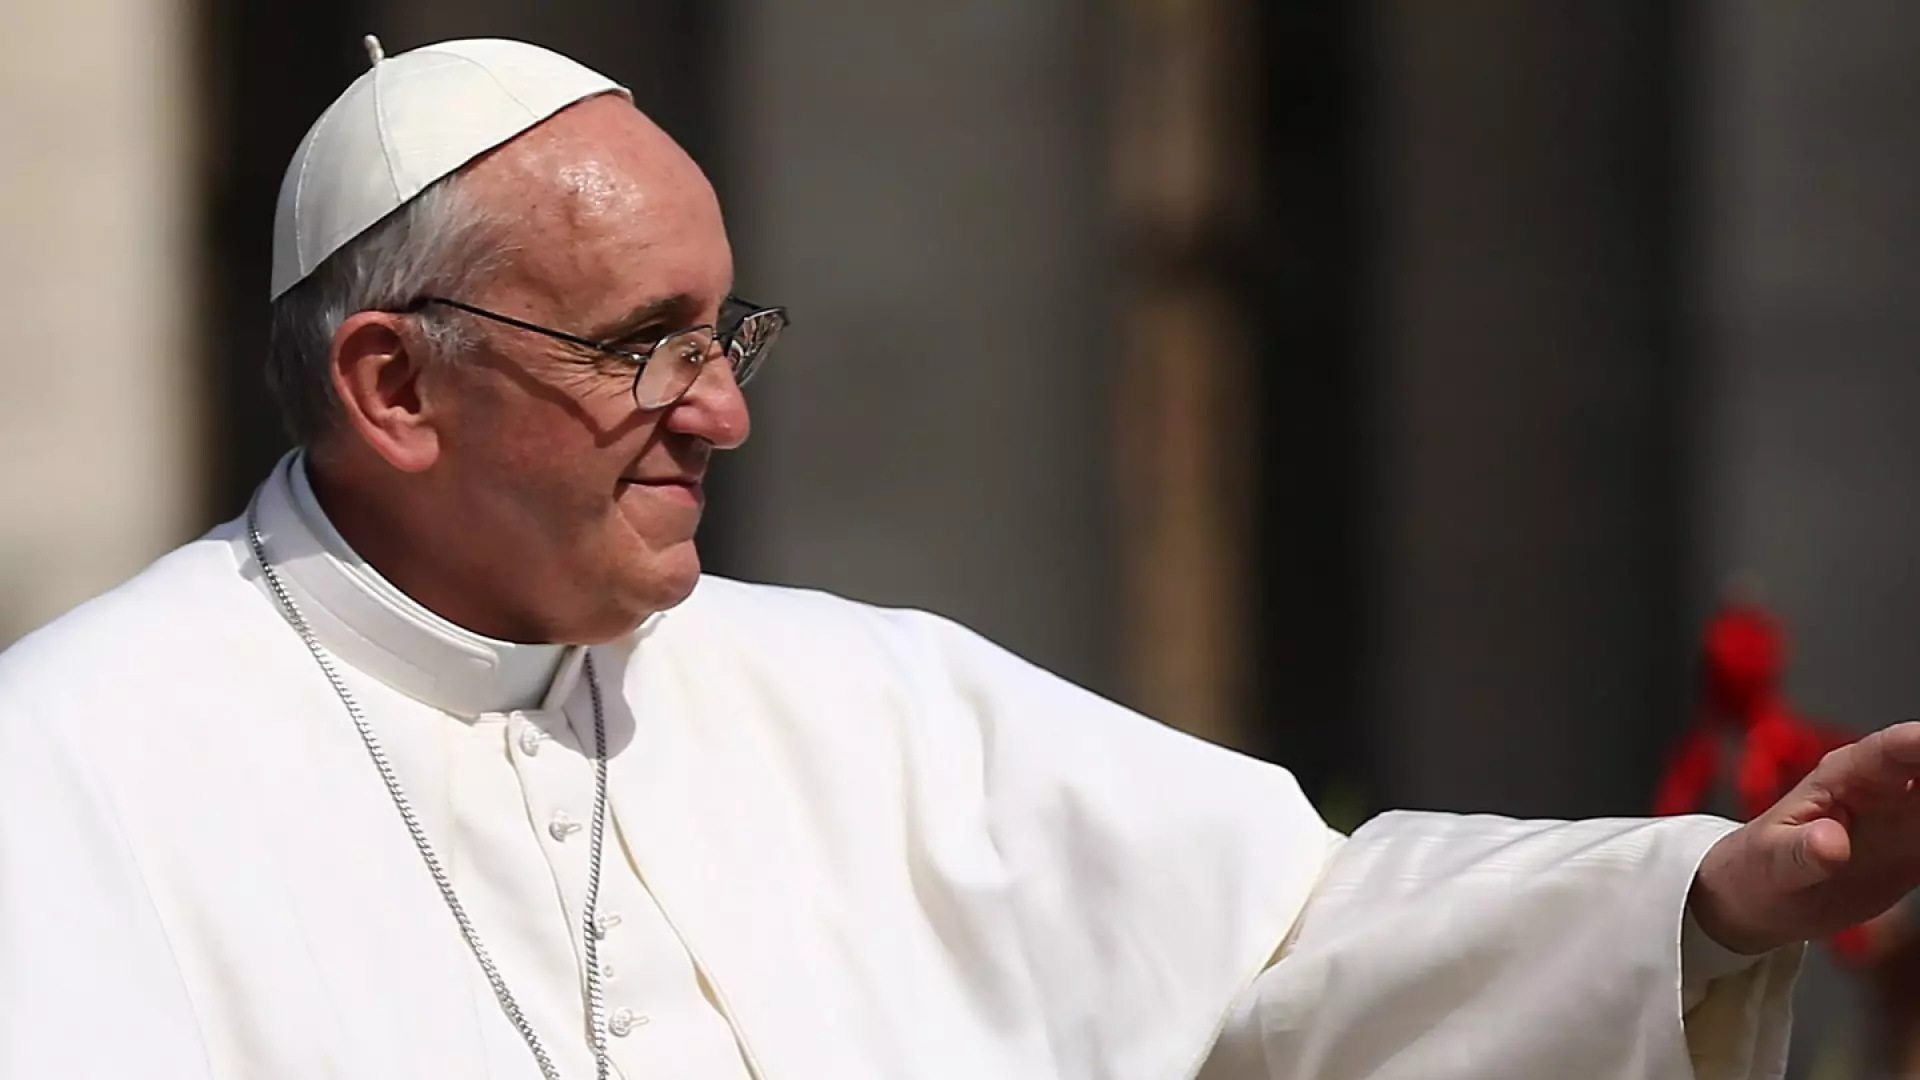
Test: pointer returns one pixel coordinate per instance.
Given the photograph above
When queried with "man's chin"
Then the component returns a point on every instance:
(630, 600)
(668, 577)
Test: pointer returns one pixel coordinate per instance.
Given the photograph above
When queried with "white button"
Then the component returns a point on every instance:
(604, 923)
(622, 1021)
(606, 971)
(562, 826)
(530, 739)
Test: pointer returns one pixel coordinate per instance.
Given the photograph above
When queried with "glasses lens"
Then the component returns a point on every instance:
(751, 341)
(671, 368)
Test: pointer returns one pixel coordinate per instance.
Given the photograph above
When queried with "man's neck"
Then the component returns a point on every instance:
(372, 624)
(390, 541)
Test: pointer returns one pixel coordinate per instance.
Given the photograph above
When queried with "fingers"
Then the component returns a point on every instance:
(1902, 744)
(1881, 765)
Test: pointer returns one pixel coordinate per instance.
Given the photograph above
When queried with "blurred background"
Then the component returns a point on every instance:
(1390, 389)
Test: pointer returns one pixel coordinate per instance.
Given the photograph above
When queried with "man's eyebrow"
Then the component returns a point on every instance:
(637, 319)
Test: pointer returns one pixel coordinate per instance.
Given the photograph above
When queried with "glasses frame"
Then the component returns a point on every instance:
(739, 359)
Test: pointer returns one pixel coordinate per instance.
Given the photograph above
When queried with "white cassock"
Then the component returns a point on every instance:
(846, 843)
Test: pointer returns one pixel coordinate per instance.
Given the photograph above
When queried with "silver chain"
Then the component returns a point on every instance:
(590, 928)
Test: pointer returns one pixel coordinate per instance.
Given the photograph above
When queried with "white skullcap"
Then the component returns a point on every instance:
(408, 121)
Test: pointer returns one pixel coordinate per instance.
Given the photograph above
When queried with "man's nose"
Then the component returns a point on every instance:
(714, 408)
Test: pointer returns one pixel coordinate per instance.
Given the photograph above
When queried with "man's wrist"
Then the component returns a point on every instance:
(1711, 899)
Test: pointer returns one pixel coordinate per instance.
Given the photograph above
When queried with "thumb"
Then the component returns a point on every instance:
(1811, 853)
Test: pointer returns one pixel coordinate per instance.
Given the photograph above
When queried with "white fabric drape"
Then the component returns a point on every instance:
(889, 848)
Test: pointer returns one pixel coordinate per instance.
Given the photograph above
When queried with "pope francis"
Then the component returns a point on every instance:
(444, 759)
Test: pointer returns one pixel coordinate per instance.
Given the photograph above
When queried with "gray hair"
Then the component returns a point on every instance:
(435, 244)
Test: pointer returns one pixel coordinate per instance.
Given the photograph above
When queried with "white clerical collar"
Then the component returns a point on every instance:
(365, 620)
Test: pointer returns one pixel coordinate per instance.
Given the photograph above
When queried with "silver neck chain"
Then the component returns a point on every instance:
(590, 927)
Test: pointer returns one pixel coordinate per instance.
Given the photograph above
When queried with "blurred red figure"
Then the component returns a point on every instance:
(1742, 660)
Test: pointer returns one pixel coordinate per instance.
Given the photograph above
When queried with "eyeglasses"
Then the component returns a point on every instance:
(666, 370)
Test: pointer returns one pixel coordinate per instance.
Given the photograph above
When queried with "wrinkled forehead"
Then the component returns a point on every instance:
(599, 205)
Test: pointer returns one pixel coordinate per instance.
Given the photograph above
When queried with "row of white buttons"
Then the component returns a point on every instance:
(562, 826)
(621, 1021)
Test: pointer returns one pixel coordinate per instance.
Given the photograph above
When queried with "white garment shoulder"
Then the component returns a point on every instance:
(83, 925)
(155, 631)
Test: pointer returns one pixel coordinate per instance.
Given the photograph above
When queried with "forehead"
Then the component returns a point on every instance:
(601, 208)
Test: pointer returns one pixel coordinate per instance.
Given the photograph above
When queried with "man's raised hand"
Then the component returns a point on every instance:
(1840, 848)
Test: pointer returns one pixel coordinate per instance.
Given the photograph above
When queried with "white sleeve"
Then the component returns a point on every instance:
(88, 985)
(1704, 961)
(1439, 947)
(1152, 874)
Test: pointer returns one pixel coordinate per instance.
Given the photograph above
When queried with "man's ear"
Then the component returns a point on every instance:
(378, 373)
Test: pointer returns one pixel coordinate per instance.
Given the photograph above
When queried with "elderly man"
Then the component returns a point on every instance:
(444, 760)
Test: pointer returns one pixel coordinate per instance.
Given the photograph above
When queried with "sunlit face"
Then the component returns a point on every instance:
(557, 478)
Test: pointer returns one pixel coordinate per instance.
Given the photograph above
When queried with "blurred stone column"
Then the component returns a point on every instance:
(1187, 197)
(1810, 149)
(924, 185)
(1810, 250)
(98, 382)
(1528, 475)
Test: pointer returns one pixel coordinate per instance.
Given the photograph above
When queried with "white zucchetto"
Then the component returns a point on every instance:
(408, 121)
